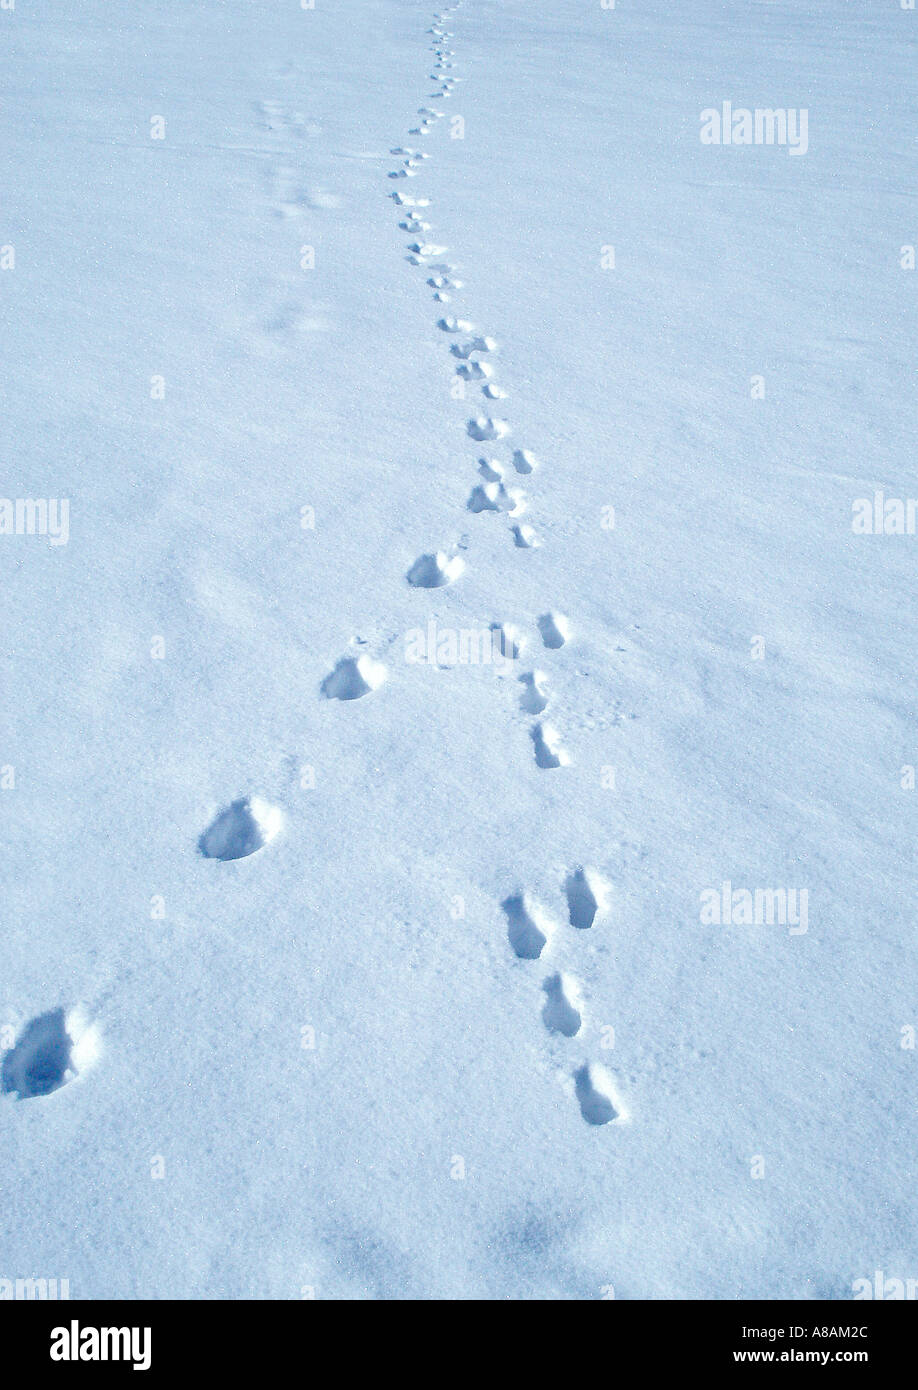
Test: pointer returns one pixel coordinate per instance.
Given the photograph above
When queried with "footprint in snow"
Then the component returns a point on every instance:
(40, 1062)
(353, 677)
(426, 249)
(242, 829)
(483, 428)
(596, 1092)
(534, 698)
(506, 641)
(433, 571)
(586, 896)
(465, 350)
(494, 497)
(524, 461)
(555, 629)
(529, 929)
(474, 371)
(548, 750)
(562, 1011)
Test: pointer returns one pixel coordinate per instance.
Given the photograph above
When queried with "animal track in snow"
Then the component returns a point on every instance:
(562, 1011)
(474, 371)
(483, 428)
(494, 497)
(507, 641)
(534, 698)
(51, 1050)
(353, 677)
(528, 928)
(525, 537)
(242, 829)
(40, 1061)
(586, 897)
(425, 249)
(494, 393)
(524, 461)
(548, 750)
(554, 629)
(433, 571)
(452, 325)
(465, 350)
(596, 1092)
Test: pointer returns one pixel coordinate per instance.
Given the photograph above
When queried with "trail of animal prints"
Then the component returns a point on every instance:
(534, 934)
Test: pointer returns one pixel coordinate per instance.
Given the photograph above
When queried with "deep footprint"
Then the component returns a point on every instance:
(548, 750)
(41, 1060)
(596, 1093)
(586, 896)
(561, 1013)
(242, 829)
(353, 677)
(554, 629)
(534, 698)
(528, 929)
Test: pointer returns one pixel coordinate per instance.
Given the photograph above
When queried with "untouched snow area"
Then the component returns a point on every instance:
(332, 969)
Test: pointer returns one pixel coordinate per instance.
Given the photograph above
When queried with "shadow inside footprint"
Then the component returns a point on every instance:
(527, 935)
(560, 1014)
(433, 571)
(40, 1061)
(352, 678)
(554, 630)
(582, 901)
(534, 698)
(242, 829)
(596, 1095)
(548, 750)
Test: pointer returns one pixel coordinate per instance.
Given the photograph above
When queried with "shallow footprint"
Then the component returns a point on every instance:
(433, 571)
(484, 428)
(494, 497)
(465, 350)
(474, 371)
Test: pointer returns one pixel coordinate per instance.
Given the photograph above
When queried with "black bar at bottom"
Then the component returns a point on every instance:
(157, 1338)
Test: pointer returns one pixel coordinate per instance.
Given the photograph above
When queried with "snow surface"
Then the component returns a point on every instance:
(350, 1062)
